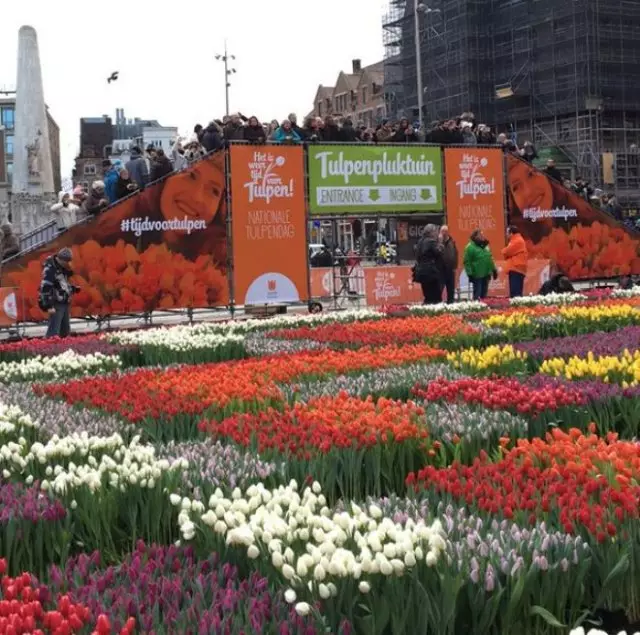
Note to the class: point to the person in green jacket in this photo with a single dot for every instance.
(479, 265)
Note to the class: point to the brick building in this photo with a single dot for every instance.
(358, 94)
(7, 122)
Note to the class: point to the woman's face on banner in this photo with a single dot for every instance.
(195, 193)
(529, 188)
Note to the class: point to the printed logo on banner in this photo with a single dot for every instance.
(10, 306)
(271, 287)
(472, 181)
(266, 183)
(387, 287)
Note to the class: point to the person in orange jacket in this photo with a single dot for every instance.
(515, 255)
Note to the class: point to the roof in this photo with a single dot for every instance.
(322, 93)
(378, 67)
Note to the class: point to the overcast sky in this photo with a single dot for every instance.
(166, 57)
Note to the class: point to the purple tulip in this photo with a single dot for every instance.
(168, 585)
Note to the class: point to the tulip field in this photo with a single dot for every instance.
(471, 469)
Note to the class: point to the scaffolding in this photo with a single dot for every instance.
(392, 39)
(561, 74)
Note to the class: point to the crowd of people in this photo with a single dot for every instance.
(437, 262)
(119, 180)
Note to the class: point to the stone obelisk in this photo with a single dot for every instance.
(32, 190)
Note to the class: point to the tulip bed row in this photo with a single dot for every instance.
(410, 470)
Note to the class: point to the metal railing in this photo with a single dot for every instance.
(38, 236)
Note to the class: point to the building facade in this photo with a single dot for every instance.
(101, 139)
(358, 95)
(8, 122)
(565, 75)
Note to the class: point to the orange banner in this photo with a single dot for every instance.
(394, 284)
(391, 285)
(326, 282)
(475, 195)
(561, 226)
(9, 302)
(161, 248)
(268, 225)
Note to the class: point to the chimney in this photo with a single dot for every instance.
(356, 66)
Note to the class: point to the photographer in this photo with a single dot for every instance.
(56, 292)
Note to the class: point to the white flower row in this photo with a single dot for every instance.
(274, 523)
(132, 465)
(68, 364)
(13, 420)
(185, 338)
(455, 307)
(626, 293)
(159, 336)
(79, 459)
(16, 456)
(551, 299)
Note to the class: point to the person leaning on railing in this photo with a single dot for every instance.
(286, 134)
(65, 211)
(97, 200)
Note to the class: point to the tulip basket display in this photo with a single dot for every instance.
(430, 470)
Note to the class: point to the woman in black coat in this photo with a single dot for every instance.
(254, 132)
(429, 269)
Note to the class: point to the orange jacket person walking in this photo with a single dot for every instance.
(515, 255)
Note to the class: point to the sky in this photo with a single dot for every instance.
(166, 57)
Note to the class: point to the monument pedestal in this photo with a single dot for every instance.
(30, 211)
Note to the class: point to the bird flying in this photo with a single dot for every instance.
(113, 77)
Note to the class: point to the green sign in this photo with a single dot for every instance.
(370, 178)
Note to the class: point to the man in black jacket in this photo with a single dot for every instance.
(331, 133)
(552, 171)
(212, 139)
(56, 292)
(161, 166)
(450, 263)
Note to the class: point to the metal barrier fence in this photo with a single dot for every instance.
(38, 236)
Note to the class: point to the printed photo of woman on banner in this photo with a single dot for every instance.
(162, 248)
(581, 240)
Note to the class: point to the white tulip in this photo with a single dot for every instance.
(288, 572)
(290, 596)
(253, 552)
(302, 569)
(364, 587)
(409, 559)
(303, 609)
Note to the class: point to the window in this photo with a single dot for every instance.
(8, 118)
(364, 95)
(89, 169)
(320, 108)
(8, 144)
(9, 172)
